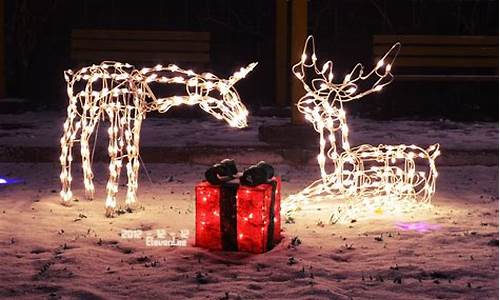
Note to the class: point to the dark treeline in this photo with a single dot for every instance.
(38, 45)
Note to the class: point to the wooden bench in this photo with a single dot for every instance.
(442, 58)
(140, 47)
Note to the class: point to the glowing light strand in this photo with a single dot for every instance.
(370, 179)
(121, 94)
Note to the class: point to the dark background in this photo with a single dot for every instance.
(38, 45)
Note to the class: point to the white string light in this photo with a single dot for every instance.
(371, 180)
(120, 94)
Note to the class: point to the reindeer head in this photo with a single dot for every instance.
(221, 99)
(324, 98)
(214, 95)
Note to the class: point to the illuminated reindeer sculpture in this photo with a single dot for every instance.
(122, 95)
(371, 179)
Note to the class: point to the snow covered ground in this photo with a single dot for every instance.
(51, 251)
(45, 129)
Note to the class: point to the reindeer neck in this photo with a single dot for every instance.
(164, 104)
(336, 135)
(344, 133)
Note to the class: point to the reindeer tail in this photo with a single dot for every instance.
(68, 75)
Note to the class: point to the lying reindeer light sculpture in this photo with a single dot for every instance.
(371, 179)
(122, 95)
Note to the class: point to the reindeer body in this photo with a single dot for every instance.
(121, 95)
(368, 177)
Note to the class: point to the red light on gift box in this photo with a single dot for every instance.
(254, 212)
(244, 223)
(207, 222)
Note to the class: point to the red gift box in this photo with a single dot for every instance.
(235, 217)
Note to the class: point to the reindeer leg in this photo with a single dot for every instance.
(317, 187)
(133, 138)
(70, 130)
(322, 185)
(115, 165)
(89, 121)
(328, 183)
(296, 201)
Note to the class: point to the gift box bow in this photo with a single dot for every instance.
(225, 175)
(226, 171)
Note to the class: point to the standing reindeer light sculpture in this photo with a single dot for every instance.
(120, 94)
(371, 179)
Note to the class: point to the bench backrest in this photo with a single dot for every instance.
(142, 48)
(436, 51)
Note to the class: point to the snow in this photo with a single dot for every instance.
(49, 251)
(44, 129)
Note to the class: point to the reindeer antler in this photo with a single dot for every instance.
(348, 89)
(381, 78)
(300, 68)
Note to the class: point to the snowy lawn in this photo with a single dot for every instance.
(48, 250)
(44, 129)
